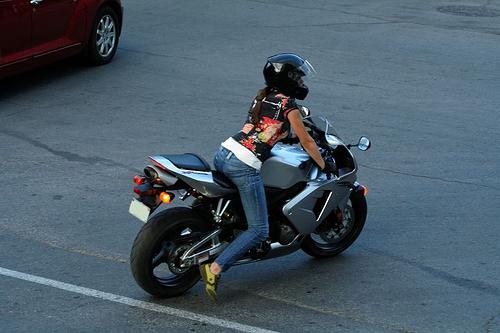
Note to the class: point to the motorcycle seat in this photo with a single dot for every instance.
(222, 179)
(188, 161)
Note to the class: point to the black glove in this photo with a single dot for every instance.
(330, 166)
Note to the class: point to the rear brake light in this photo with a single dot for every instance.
(138, 180)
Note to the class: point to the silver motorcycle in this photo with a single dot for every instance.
(322, 214)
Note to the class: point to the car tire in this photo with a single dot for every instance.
(104, 37)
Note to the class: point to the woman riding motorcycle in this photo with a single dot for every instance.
(271, 116)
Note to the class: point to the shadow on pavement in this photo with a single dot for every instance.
(41, 76)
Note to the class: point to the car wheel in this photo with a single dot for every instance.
(103, 37)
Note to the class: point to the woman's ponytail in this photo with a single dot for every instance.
(256, 108)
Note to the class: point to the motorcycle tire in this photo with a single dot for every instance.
(319, 250)
(163, 228)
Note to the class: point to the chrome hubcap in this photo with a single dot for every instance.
(106, 36)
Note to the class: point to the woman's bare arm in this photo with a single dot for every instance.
(305, 139)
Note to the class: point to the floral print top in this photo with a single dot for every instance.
(272, 127)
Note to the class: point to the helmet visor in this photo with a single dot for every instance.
(307, 69)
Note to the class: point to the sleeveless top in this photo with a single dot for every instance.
(272, 126)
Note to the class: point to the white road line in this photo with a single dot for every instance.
(134, 302)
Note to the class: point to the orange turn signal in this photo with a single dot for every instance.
(365, 190)
(166, 197)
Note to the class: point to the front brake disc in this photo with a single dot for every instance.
(336, 230)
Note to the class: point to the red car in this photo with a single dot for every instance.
(37, 32)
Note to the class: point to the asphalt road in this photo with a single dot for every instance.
(423, 84)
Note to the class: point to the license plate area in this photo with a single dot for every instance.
(139, 210)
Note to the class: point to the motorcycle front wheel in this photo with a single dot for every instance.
(155, 255)
(335, 235)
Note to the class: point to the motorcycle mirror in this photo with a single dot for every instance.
(304, 111)
(364, 143)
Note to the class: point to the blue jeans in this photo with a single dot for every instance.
(253, 199)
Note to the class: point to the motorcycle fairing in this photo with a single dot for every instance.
(300, 210)
(202, 181)
(287, 166)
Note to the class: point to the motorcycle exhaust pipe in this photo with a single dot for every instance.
(277, 250)
(154, 173)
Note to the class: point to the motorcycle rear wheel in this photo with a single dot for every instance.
(312, 246)
(154, 259)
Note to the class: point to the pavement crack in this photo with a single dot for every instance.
(487, 3)
(323, 9)
(327, 311)
(385, 20)
(466, 283)
(489, 325)
(69, 156)
(13, 113)
(156, 54)
(456, 181)
(455, 28)
(56, 245)
(330, 24)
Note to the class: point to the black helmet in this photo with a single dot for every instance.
(284, 71)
